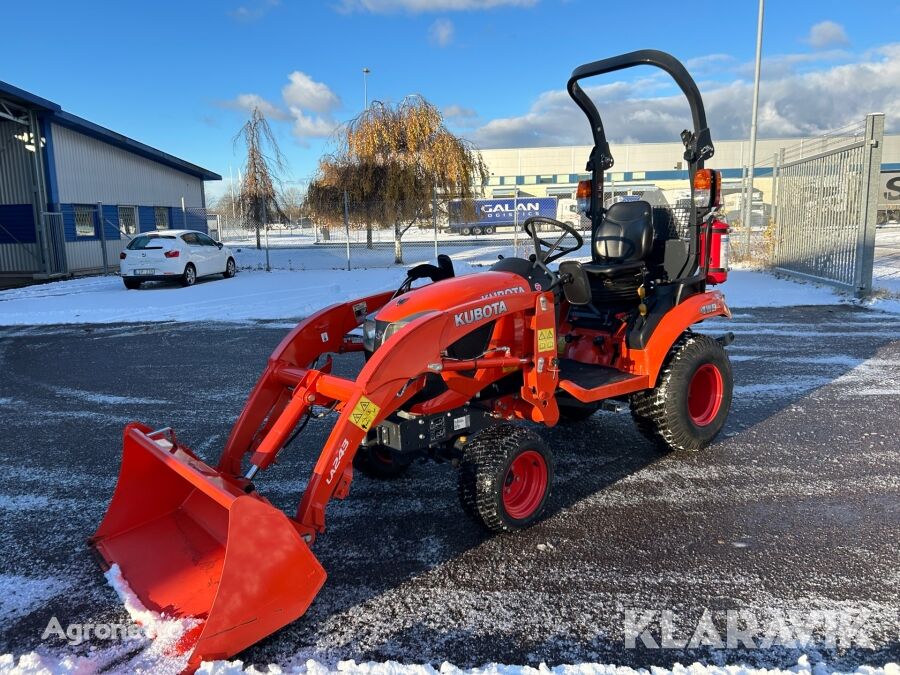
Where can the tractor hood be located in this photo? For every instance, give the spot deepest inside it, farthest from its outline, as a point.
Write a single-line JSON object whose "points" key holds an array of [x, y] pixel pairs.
{"points": [[451, 292]]}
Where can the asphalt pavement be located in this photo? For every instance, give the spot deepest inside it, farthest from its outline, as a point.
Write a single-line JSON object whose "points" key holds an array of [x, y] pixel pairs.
{"points": [[795, 508]]}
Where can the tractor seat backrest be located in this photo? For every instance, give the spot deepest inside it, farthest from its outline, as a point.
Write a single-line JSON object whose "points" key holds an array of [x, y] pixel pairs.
{"points": [[625, 234]]}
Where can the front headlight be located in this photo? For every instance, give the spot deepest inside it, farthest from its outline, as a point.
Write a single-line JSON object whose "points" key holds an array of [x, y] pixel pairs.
{"points": [[369, 333]]}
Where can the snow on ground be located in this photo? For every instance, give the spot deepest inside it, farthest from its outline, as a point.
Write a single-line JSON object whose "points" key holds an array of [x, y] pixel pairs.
{"points": [[290, 291], [35, 663]]}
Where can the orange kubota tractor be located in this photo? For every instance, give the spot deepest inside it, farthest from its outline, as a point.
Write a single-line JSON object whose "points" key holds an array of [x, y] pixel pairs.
{"points": [[450, 366]]}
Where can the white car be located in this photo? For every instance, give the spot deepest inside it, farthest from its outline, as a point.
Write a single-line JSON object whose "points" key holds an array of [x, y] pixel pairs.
{"points": [[181, 255]]}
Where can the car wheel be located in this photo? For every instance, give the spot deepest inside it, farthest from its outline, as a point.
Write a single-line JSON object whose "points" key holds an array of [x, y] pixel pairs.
{"points": [[466, 231], [189, 278], [476, 230], [230, 269], [131, 284], [489, 230]]}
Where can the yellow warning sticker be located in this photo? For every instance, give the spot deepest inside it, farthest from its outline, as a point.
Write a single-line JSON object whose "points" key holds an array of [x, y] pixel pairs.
{"points": [[546, 340], [364, 413]]}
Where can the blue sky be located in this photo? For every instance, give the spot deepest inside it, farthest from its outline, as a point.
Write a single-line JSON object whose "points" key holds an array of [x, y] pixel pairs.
{"points": [[181, 75]]}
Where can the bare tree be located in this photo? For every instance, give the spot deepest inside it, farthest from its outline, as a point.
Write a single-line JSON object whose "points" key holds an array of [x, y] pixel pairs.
{"points": [[390, 161], [292, 202], [258, 198]]}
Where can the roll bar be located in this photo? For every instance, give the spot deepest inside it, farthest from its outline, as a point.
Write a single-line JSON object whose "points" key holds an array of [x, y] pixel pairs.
{"points": [[698, 144]]}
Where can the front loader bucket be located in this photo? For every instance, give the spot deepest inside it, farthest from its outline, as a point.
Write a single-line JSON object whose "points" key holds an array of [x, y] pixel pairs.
{"points": [[191, 544]]}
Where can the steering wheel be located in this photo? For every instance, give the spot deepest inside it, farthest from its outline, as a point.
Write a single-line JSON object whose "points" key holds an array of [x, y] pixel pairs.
{"points": [[549, 256]]}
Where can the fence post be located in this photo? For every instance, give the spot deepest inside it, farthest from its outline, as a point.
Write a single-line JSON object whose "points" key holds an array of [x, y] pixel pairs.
{"points": [[777, 159], [347, 227], [265, 226], [869, 188], [102, 223], [516, 221], [434, 219]]}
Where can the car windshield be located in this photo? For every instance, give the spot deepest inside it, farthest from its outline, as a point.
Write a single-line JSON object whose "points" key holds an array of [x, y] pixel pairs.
{"points": [[146, 241]]}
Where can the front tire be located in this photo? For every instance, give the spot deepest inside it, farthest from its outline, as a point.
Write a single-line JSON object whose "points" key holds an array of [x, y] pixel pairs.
{"points": [[230, 269], [189, 278], [690, 403], [505, 478]]}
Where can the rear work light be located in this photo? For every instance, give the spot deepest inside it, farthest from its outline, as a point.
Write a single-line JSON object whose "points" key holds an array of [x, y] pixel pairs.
{"points": [[707, 189], [583, 195], [122, 255], [172, 254]]}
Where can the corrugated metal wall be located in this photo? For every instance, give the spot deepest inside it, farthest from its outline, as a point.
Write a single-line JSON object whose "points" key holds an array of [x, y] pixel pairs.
{"points": [[90, 171], [19, 258], [84, 256], [15, 171]]}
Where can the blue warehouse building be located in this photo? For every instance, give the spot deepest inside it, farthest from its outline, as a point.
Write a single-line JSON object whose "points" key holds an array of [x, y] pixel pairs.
{"points": [[72, 193]]}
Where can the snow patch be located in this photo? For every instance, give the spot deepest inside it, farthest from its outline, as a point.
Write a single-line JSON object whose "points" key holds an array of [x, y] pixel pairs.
{"points": [[106, 399], [282, 295], [19, 596], [311, 667], [160, 627]]}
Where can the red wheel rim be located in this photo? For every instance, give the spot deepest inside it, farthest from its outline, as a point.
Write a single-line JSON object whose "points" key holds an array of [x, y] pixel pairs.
{"points": [[705, 395], [524, 485]]}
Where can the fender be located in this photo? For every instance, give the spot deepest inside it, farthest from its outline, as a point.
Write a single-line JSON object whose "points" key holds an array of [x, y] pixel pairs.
{"points": [[649, 361]]}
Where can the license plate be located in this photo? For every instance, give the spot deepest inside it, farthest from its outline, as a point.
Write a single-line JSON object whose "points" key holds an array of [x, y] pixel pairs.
{"points": [[144, 272]]}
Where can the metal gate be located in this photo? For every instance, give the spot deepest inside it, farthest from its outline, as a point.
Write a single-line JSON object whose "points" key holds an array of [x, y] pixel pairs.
{"points": [[55, 249], [826, 207]]}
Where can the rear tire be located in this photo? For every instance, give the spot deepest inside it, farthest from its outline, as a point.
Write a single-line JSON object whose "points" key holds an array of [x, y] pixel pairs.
{"points": [[466, 231], [377, 461], [189, 278], [230, 269], [476, 231], [489, 230], [505, 478], [690, 403], [131, 284]]}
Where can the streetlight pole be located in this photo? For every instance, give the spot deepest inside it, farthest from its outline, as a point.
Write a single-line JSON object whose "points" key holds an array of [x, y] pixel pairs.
{"points": [[366, 72], [748, 200]]}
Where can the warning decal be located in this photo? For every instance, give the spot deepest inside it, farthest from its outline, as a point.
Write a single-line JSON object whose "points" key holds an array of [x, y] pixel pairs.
{"points": [[546, 340], [364, 413]]}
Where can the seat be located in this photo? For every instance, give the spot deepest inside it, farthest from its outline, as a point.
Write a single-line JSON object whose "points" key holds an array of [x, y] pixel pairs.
{"points": [[620, 245]]}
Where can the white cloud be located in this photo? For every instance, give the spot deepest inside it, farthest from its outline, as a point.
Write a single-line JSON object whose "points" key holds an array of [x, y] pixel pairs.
{"points": [[250, 101], [827, 34], [305, 93], [253, 11], [310, 105], [417, 6], [795, 104], [440, 32], [458, 111]]}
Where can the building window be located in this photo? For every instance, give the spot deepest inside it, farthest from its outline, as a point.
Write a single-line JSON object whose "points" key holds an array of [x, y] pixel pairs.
{"points": [[128, 220], [84, 221], [161, 214], [545, 179]]}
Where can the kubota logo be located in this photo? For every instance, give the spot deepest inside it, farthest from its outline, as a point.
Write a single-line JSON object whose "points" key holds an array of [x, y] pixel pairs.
{"points": [[504, 291], [337, 461], [479, 313]]}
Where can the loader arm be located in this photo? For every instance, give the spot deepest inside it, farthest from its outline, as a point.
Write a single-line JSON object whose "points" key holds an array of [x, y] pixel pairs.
{"points": [[318, 334]]}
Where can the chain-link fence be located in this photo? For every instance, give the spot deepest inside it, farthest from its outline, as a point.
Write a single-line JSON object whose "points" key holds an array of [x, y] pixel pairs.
{"points": [[357, 236]]}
